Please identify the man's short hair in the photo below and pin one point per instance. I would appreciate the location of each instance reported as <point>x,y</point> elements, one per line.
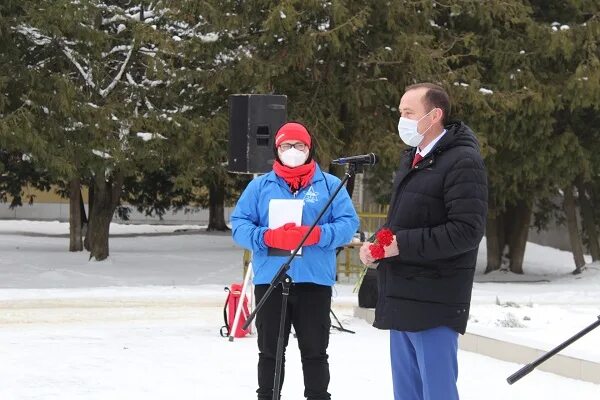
<point>435,97</point>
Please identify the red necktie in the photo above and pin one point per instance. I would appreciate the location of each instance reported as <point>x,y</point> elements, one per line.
<point>418,157</point>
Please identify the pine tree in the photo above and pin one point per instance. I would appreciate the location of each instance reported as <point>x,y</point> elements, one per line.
<point>525,64</point>
<point>342,65</point>
<point>17,138</point>
<point>574,73</point>
<point>509,77</point>
<point>208,55</point>
<point>108,68</point>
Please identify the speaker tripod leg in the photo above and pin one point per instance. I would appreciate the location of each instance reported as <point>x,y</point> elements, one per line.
<point>340,327</point>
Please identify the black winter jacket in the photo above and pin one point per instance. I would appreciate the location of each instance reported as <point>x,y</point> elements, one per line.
<point>438,212</point>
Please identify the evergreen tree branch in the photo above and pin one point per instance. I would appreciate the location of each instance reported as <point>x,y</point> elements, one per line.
<point>86,76</point>
<point>348,22</point>
<point>113,84</point>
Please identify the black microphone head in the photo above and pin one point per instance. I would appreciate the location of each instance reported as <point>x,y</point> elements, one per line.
<point>365,159</point>
<point>374,159</point>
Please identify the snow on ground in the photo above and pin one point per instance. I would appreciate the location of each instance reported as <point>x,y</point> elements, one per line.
<point>43,262</point>
<point>542,308</point>
<point>176,352</point>
<point>144,324</point>
<point>62,228</point>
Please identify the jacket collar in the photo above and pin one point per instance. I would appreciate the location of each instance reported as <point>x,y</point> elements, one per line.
<point>447,140</point>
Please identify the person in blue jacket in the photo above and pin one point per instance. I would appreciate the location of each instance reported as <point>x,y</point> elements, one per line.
<point>295,175</point>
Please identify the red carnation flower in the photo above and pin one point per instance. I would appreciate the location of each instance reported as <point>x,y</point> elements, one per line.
<point>384,237</point>
<point>376,250</point>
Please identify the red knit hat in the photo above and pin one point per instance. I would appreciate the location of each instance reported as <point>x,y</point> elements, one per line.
<point>292,131</point>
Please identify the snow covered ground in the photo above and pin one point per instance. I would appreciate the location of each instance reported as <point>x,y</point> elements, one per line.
<point>179,355</point>
<point>56,228</point>
<point>144,324</point>
<point>29,261</point>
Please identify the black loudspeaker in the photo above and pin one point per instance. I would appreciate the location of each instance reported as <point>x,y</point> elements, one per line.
<point>254,119</point>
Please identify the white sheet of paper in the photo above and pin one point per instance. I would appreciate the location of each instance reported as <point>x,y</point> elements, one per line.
<point>283,211</point>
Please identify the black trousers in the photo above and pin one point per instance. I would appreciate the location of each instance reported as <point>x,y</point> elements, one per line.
<point>308,311</point>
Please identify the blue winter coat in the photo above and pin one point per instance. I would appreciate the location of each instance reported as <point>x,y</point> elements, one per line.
<point>250,218</point>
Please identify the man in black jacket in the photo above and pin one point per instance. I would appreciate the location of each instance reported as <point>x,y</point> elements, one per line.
<point>437,215</point>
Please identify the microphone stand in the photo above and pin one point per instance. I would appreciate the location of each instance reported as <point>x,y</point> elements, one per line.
<point>281,277</point>
<point>531,366</point>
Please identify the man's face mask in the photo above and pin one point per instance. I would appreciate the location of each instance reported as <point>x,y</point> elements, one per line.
<point>293,157</point>
<point>407,129</point>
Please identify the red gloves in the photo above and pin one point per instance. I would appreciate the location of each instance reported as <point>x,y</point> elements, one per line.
<point>313,237</point>
<point>288,236</point>
<point>285,237</point>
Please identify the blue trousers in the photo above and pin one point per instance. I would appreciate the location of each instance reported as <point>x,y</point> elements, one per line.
<point>424,364</point>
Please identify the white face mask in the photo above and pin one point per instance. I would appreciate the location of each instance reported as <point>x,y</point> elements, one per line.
<point>407,129</point>
<point>293,158</point>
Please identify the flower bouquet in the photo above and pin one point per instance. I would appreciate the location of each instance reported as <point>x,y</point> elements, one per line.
<point>383,238</point>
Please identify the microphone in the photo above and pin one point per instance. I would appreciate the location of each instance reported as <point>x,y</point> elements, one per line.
<point>367,159</point>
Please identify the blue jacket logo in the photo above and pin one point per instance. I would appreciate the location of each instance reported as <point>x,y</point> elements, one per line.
<point>311,196</point>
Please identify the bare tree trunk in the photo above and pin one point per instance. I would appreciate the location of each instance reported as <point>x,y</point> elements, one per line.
<point>216,208</point>
<point>571,213</point>
<point>75,240</point>
<point>588,223</point>
<point>107,195</point>
<point>494,236</point>
<point>84,219</point>
<point>86,241</point>
<point>506,237</point>
<point>519,219</point>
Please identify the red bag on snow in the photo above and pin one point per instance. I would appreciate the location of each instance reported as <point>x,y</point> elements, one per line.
<point>231,304</point>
